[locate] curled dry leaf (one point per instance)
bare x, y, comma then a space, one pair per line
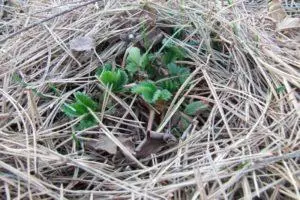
16, 3
284, 22
106, 144
288, 23
153, 143
276, 11
83, 43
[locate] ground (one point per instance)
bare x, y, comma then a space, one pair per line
149, 99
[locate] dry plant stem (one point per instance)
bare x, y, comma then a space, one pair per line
105, 102
150, 134
115, 140
124, 116
45, 20
253, 78
128, 108
150, 119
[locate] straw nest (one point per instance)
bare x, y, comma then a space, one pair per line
245, 146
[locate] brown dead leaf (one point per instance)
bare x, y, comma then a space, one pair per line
119, 156
84, 43
288, 23
276, 11
284, 22
16, 3
153, 37
106, 144
153, 143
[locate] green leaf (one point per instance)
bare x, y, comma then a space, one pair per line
122, 80
177, 70
80, 108
280, 89
132, 67
134, 55
146, 90
150, 92
105, 67
178, 75
87, 122
74, 109
161, 95
70, 110
165, 95
144, 61
156, 96
135, 61
168, 57
85, 100
170, 85
144, 86
108, 77
181, 72
172, 53
152, 57
194, 107
116, 79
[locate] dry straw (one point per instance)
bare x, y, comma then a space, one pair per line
247, 146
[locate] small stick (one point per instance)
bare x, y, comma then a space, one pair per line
150, 120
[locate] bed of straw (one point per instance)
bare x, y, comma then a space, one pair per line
245, 147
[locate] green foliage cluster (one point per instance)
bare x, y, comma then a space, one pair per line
156, 77
177, 76
154, 86
151, 93
116, 79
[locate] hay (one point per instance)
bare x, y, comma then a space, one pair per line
246, 146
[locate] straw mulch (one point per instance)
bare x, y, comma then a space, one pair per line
246, 146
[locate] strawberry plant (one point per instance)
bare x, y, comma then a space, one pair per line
136, 61
139, 65
163, 77
115, 79
151, 93
177, 76
172, 52
80, 108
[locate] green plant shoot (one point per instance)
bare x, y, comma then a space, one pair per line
116, 79
150, 93
80, 109
178, 75
136, 61
194, 107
